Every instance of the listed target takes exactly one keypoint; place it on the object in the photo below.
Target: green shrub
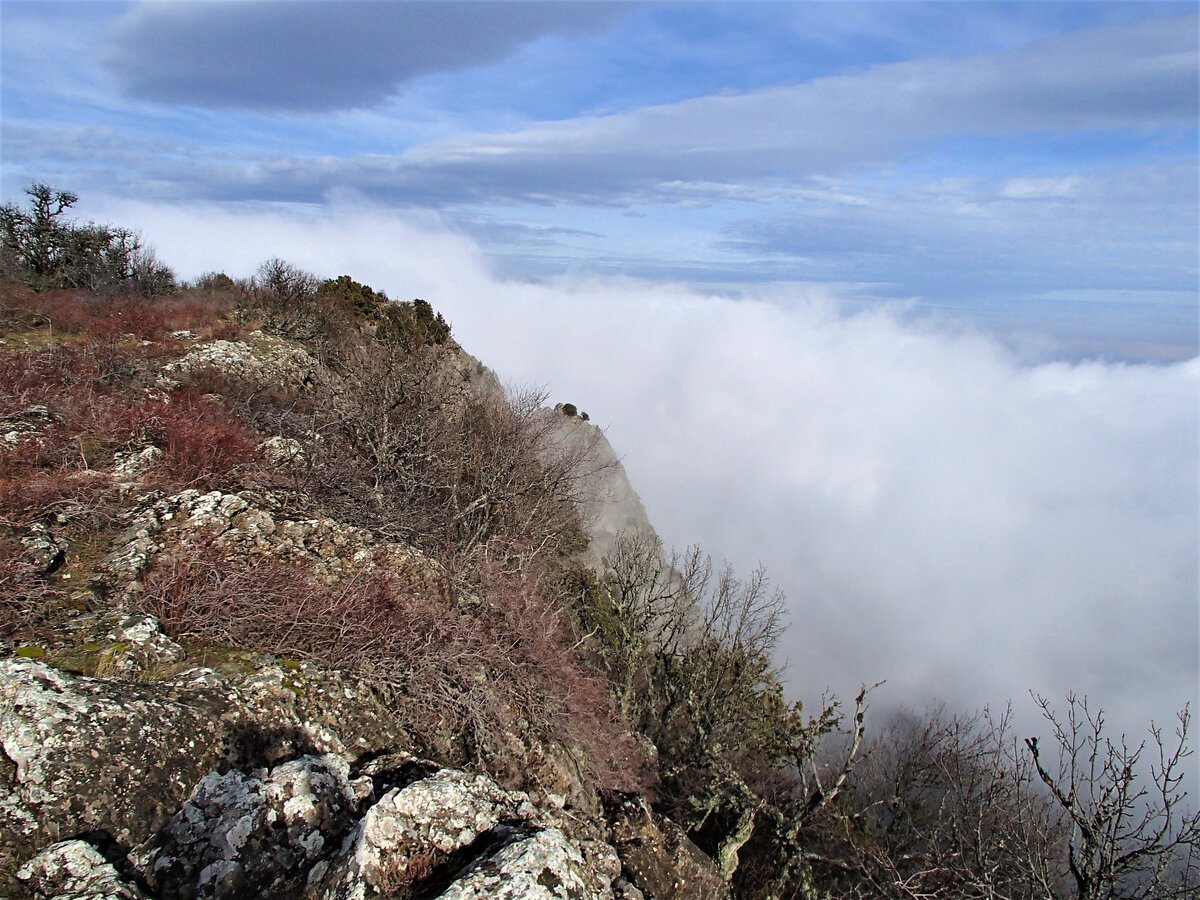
(45, 251)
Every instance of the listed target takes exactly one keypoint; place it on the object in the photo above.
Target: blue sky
(899, 299)
(1029, 168)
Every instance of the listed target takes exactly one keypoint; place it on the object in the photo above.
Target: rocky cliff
(191, 705)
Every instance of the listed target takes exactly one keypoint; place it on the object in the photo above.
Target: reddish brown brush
(21, 590)
(200, 440)
(507, 660)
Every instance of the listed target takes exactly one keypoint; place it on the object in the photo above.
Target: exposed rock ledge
(196, 787)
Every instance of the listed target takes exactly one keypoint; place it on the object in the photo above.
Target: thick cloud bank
(318, 56)
(939, 514)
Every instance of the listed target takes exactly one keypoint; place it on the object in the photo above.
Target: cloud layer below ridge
(939, 513)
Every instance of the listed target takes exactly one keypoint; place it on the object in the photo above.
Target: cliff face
(609, 506)
(212, 686)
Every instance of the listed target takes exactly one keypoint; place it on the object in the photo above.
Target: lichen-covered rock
(658, 857)
(80, 754)
(250, 524)
(137, 643)
(257, 834)
(545, 866)
(415, 826)
(282, 451)
(41, 549)
(74, 870)
(136, 463)
(267, 359)
(18, 426)
(90, 754)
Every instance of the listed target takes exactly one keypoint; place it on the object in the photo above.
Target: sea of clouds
(940, 513)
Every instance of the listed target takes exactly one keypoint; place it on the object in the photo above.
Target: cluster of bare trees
(930, 806)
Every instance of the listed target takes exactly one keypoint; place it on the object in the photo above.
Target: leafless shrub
(942, 807)
(468, 673)
(1131, 836)
(22, 591)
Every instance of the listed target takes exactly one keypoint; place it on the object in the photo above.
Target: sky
(898, 299)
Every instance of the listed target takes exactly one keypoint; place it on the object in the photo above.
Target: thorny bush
(473, 673)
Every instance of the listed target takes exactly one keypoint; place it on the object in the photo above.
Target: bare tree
(1131, 837)
(943, 807)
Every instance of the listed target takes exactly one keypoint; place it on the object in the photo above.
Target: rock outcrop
(176, 778)
(174, 771)
(199, 787)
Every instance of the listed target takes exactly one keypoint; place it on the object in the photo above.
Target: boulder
(255, 834)
(74, 870)
(81, 754)
(658, 857)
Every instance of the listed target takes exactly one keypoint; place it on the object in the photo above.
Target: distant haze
(900, 299)
(940, 514)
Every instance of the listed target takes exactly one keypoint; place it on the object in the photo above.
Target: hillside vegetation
(304, 469)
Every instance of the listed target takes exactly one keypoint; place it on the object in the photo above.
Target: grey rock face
(41, 549)
(658, 857)
(142, 644)
(413, 828)
(610, 506)
(163, 770)
(73, 870)
(257, 834)
(546, 866)
(78, 754)
(267, 359)
(250, 524)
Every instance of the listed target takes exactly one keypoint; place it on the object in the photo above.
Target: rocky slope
(136, 765)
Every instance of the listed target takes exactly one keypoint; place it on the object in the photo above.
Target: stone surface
(264, 358)
(256, 834)
(545, 866)
(41, 549)
(414, 827)
(80, 754)
(658, 858)
(74, 870)
(136, 463)
(609, 506)
(248, 523)
(137, 644)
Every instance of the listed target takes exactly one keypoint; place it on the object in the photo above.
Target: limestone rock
(282, 451)
(609, 505)
(136, 463)
(74, 870)
(545, 866)
(410, 828)
(138, 644)
(256, 834)
(17, 426)
(41, 549)
(267, 359)
(250, 524)
(659, 858)
(80, 754)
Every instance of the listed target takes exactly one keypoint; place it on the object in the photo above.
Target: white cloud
(939, 515)
(1140, 75)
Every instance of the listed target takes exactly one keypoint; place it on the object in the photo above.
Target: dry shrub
(447, 671)
(202, 310)
(22, 592)
(79, 499)
(201, 442)
(75, 407)
(398, 443)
